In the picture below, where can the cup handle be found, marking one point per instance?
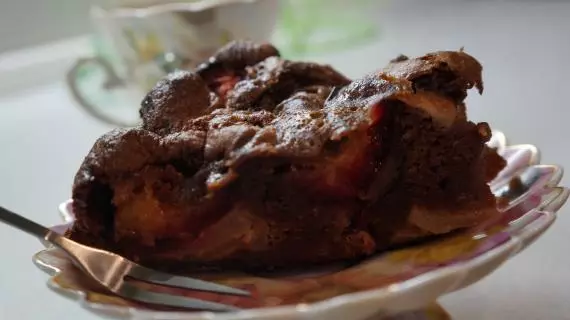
(112, 81)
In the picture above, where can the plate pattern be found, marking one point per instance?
(388, 284)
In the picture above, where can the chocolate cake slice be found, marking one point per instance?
(252, 162)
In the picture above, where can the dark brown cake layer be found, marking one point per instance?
(257, 162)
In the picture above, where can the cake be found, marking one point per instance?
(255, 162)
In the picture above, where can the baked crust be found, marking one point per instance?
(256, 162)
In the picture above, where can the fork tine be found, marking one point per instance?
(161, 278)
(132, 292)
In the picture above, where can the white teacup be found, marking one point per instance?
(140, 44)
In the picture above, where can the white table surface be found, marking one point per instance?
(525, 49)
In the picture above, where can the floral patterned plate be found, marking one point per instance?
(392, 283)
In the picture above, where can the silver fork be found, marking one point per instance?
(112, 271)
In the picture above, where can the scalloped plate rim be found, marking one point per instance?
(530, 232)
(513, 246)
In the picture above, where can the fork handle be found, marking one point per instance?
(15, 220)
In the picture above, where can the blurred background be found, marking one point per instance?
(60, 19)
(69, 73)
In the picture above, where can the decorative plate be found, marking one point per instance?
(392, 283)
